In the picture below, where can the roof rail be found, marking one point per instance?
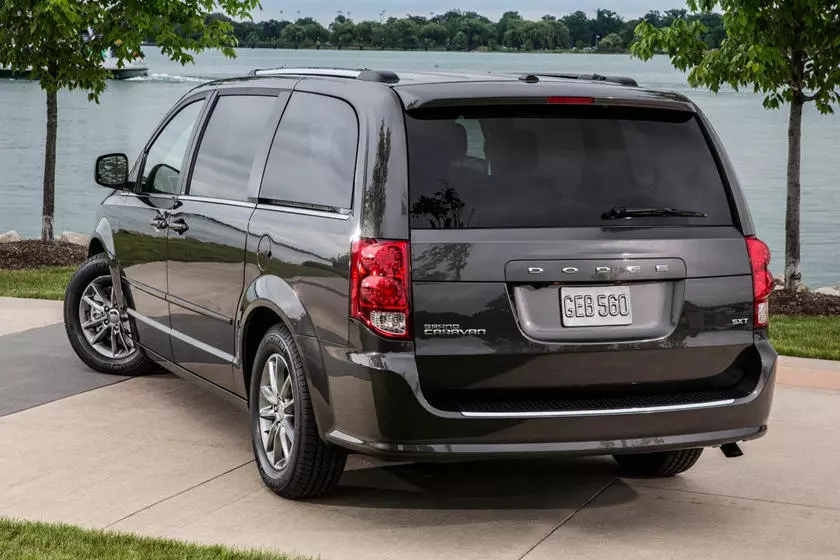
(622, 80)
(364, 74)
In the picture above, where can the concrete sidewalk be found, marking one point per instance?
(17, 315)
(160, 457)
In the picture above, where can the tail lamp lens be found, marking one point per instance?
(762, 279)
(380, 285)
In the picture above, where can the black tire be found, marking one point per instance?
(314, 466)
(135, 364)
(659, 465)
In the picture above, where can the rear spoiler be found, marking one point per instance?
(620, 80)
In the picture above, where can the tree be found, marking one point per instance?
(459, 42)
(607, 22)
(789, 51)
(580, 27)
(628, 32)
(505, 22)
(379, 35)
(343, 32)
(252, 39)
(611, 42)
(314, 33)
(653, 17)
(433, 35)
(46, 39)
(514, 37)
(293, 35)
(560, 33)
(401, 33)
(537, 35)
(364, 32)
(477, 30)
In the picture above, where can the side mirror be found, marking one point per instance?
(112, 171)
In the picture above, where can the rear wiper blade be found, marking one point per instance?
(625, 212)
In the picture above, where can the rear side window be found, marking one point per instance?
(229, 145)
(312, 161)
(558, 166)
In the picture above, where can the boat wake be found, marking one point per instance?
(170, 79)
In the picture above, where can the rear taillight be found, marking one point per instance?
(762, 279)
(380, 286)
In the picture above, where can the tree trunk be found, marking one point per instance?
(793, 275)
(48, 213)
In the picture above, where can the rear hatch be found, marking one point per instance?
(540, 278)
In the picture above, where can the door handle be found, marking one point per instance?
(159, 223)
(179, 226)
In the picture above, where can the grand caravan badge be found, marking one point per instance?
(451, 330)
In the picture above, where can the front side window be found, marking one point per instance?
(312, 161)
(229, 145)
(162, 169)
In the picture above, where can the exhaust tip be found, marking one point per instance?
(731, 450)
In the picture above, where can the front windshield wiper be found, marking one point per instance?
(625, 212)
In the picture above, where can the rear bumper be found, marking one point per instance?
(377, 408)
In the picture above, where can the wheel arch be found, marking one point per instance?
(102, 240)
(270, 301)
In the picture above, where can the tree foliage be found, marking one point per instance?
(465, 30)
(788, 51)
(780, 49)
(45, 36)
(63, 43)
(611, 42)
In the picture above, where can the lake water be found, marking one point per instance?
(755, 138)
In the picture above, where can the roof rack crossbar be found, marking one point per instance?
(364, 74)
(622, 80)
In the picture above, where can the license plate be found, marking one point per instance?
(596, 307)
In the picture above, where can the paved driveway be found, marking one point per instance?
(157, 456)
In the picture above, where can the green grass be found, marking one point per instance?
(40, 283)
(39, 541)
(806, 337)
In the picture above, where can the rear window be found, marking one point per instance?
(560, 166)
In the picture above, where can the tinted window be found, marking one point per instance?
(559, 166)
(162, 169)
(313, 158)
(229, 145)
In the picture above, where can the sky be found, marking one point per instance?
(326, 10)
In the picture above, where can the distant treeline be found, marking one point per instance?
(466, 31)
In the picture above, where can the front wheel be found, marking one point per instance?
(658, 465)
(292, 459)
(99, 331)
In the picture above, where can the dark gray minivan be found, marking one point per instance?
(437, 266)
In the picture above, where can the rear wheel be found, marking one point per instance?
(663, 464)
(292, 458)
(99, 331)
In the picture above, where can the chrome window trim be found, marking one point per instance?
(605, 412)
(212, 200)
(303, 211)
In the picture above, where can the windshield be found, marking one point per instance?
(557, 166)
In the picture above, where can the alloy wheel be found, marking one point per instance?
(105, 327)
(277, 411)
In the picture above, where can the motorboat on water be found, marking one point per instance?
(135, 69)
